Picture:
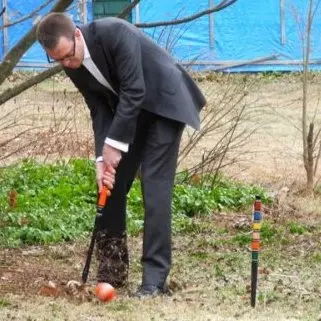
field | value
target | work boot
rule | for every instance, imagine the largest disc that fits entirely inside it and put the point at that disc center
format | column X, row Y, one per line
column 112, row 256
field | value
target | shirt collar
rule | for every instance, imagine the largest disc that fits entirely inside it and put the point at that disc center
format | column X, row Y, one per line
column 86, row 51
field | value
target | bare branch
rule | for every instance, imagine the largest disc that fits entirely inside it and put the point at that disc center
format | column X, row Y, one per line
column 2, row 11
column 12, row 58
column 222, row 5
column 128, row 9
column 2, row 144
column 315, row 9
column 26, row 17
column 12, row 92
column 316, row 139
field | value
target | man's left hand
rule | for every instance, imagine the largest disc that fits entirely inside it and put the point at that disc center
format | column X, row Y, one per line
column 111, row 156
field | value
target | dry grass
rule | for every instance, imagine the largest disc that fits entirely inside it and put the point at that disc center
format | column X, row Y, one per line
column 166, row 309
column 210, row 280
column 271, row 156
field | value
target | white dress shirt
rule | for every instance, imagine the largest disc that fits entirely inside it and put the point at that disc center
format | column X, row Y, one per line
column 89, row 64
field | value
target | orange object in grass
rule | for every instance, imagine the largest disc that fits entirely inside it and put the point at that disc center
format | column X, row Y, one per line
column 105, row 292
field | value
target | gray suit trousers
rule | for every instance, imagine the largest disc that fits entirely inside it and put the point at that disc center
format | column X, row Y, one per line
column 155, row 151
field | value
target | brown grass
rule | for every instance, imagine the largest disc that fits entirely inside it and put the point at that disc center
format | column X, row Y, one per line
column 272, row 156
column 210, row 280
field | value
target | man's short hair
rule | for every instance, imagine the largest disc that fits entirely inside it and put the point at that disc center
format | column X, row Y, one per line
column 52, row 27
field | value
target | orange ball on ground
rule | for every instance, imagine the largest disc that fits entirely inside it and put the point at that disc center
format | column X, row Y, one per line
column 105, row 291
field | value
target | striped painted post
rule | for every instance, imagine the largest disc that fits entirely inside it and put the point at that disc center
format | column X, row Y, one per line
column 256, row 228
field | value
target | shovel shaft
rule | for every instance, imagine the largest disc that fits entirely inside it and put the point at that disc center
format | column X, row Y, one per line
column 99, row 212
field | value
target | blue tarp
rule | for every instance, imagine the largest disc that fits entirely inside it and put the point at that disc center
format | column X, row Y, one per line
column 247, row 30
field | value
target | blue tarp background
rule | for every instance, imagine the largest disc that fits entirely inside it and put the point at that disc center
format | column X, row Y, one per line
column 15, row 9
column 249, row 29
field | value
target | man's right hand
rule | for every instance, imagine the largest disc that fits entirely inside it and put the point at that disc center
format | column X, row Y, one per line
column 105, row 175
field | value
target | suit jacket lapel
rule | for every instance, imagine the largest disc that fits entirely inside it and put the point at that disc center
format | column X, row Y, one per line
column 100, row 57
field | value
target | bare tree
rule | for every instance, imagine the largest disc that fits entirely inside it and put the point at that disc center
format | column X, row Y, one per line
column 225, row 123
column 311, row 140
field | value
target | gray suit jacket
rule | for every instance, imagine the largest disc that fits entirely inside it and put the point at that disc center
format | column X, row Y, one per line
column 144, row 75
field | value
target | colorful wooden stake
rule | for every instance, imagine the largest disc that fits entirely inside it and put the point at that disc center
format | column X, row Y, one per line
column 256, row 227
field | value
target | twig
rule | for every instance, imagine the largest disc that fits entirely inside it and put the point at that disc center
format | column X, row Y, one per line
column 222, row 5
column 128, row 9
column 30, row 15
column 2, row 11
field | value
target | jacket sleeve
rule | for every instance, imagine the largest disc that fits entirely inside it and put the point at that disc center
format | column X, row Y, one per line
column 100, row 114
column 126, row 52
column 101, row 117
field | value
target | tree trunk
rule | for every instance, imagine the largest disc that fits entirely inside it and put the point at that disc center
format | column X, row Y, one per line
column 307, row 136
column 310, row 161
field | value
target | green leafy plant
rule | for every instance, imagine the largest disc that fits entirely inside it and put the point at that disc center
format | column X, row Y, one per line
column 296, row 228
column 53, row 202
column 269, row 232
column 50, row 203
column 196, row 198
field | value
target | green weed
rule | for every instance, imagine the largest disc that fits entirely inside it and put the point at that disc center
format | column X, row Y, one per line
column 316, row 257
column 4, row 303
column 269, row 232
column 200, row 255
column 50, row 203
column 268, row 296
column 242, row 239
column 296, row 228
column 120, row 306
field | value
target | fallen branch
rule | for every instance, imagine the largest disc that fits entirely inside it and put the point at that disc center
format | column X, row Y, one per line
column 247, row 62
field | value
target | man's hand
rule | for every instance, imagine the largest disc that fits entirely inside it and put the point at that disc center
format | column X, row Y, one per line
column 111, row 156
column 107, row 169
column 105, row 176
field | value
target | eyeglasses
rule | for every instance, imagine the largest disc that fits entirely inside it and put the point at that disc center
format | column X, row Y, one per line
column 69, row 55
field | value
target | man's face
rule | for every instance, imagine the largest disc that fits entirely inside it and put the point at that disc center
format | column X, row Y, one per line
column 69, row 53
